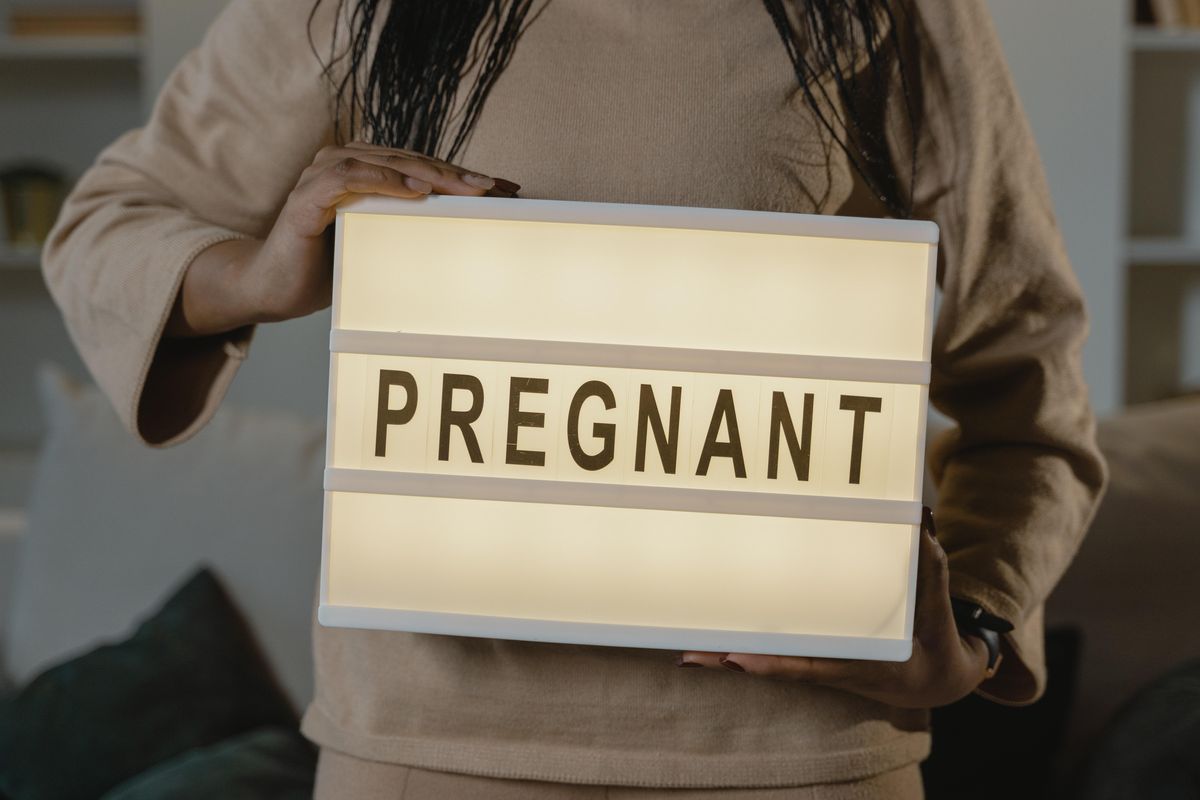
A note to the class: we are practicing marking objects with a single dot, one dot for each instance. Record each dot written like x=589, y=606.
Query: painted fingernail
x=680, y=661
x=418, y=185
x=927, y=522
x=732, y=665
x=478, y=181
x=507, y=186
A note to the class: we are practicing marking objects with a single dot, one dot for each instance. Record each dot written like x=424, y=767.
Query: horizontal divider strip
x=624, y=356
x=660, y=498
x=871, y=229
x=614, y=634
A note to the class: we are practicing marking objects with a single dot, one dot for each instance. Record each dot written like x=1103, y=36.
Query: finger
x=441, y=177
x=392, y=156
x=351, y=176
x=358, y=148
x=400, y=151
x=825, y=671
x=697, y=658
x=933, y=576
x=444, y=178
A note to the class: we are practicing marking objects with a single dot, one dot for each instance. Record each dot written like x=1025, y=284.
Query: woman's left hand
x=944, y=666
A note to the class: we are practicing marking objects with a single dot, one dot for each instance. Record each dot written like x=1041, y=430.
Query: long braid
x=827, y=45
x=406, y=96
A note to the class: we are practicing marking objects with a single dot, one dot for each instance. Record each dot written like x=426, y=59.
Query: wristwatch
x=971, y=619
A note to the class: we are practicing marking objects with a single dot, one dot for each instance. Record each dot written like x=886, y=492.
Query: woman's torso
x=681, y=103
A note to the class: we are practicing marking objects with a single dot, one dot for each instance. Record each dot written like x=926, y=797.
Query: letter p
x=384, y=415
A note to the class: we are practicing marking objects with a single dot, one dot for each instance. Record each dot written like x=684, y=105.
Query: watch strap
x=971, y=619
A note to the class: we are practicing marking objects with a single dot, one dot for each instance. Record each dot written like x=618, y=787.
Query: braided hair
x=406, y=92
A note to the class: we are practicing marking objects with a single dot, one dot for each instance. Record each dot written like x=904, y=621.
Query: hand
x=944, y=666
x=289, y=274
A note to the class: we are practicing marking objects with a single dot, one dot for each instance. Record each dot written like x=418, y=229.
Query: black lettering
x=723, y=410
x=385, y=416
x=518, y=419
x=860, y=406
x=668, y=444
x=606, y=432
x=460, y=419
x=781, y=420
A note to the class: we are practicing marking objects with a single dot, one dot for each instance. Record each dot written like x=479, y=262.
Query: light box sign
x=627, y=425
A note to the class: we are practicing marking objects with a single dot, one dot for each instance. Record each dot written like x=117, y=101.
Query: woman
x=214, y=217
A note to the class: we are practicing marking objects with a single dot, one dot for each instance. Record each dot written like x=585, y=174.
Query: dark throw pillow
x=277, y=763
x=1151, y=749
x=190, y=676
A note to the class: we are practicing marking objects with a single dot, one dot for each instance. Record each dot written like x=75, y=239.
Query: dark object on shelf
x=985, y=751
x=38, y=21
x=31, y=196
x=1167, y=13
x=1151, y=749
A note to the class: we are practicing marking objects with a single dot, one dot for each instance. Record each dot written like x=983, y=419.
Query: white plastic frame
x=546, y=491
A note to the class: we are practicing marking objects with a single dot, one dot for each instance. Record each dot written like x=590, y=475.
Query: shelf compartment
x=1148, y=39
x=70, y=48
x=19, y=259
x=1162, y=251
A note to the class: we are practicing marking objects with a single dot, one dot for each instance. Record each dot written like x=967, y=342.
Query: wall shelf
x=1162, y=251
x=1148, y=39
x=70, y=48
x=19, y=259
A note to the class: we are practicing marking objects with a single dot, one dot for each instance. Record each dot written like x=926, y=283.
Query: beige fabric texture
x=340, y=776
x=669, y=102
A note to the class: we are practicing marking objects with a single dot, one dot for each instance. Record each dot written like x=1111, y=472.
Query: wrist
x=219, y=292
x=247, y=300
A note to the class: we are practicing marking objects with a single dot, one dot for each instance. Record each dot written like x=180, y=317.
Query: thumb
x=933, y=576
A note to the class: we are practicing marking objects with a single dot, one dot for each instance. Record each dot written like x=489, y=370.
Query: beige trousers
x=343, y=777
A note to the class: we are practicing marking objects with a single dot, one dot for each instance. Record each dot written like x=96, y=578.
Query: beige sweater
x=675, y=102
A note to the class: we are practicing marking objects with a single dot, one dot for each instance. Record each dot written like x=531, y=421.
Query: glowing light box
x=627, y=425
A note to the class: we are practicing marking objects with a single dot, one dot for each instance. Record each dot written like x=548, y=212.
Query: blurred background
x=1112, y=91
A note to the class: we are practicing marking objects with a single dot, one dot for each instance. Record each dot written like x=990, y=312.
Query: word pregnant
x=461, y=404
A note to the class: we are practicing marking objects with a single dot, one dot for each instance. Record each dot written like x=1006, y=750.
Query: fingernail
x=680, y=661
x=927, y=522
x=478, y=181
x=507, y=186
x=418, y=185
x=732, y=665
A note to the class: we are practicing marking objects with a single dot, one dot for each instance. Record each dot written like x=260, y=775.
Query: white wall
x=1068, y=61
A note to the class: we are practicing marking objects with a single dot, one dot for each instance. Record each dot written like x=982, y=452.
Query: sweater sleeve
x=235, y=124
x=1020, y=475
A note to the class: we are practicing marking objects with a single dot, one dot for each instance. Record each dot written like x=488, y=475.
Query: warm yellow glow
x=617, y=565
x=494, y=468
x=714, y=290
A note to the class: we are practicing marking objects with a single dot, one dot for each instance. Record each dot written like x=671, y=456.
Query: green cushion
x=190, y=676
x=269, y=762
x=1151, y=748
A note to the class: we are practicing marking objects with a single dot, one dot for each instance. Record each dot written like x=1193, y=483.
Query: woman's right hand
x=289, y=274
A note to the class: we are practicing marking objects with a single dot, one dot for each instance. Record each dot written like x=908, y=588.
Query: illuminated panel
x=553, y=562
x=706, y=289
x=552, y=421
